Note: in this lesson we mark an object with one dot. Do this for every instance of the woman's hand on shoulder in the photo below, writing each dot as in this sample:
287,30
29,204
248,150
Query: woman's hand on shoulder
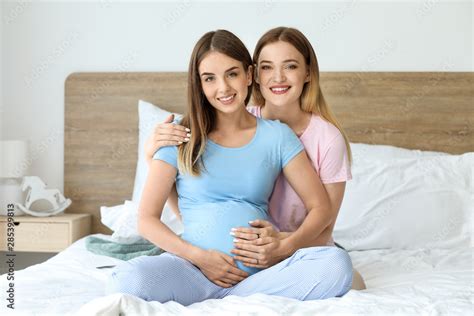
166,134
220,268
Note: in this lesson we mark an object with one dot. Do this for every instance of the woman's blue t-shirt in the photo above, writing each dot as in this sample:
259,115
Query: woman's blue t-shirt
234,186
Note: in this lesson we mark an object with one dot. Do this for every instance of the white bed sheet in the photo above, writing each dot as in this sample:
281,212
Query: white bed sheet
403,282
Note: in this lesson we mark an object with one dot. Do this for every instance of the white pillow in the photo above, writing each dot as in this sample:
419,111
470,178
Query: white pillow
417,202
123,220
148,116
368,151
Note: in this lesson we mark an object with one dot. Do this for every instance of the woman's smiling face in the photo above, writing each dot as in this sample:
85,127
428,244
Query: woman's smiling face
224,81
281,73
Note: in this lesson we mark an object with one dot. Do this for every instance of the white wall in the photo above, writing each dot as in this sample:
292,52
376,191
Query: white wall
43,42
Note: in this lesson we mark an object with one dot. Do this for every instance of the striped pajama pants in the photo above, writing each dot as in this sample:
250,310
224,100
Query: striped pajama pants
309,274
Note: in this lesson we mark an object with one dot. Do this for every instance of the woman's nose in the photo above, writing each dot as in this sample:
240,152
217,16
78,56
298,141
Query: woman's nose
279,75
223,86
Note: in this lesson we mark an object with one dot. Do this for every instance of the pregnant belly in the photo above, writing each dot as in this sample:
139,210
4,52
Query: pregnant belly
208,225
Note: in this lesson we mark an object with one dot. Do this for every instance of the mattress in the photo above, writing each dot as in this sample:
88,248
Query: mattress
404,282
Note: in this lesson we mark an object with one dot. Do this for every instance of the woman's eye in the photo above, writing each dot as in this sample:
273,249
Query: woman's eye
291,66
265,67
208,79
233,74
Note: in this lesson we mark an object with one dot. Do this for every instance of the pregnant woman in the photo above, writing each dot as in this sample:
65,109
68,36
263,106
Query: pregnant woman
224,177
286,88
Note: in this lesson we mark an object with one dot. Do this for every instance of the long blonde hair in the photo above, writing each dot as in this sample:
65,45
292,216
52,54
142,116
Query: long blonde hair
201,115
312,99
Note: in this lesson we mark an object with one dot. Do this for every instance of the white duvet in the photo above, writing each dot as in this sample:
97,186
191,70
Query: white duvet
403,282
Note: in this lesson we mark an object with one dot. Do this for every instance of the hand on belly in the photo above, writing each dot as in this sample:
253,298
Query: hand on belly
208,226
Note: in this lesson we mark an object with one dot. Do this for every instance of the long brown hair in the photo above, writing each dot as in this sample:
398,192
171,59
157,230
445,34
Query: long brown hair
312,99
201,115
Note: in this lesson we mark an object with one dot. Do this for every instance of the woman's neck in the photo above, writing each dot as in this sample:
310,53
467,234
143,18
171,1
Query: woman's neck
290,114
228,123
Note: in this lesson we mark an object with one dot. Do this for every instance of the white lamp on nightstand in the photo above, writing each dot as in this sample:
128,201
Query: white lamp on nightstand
13,167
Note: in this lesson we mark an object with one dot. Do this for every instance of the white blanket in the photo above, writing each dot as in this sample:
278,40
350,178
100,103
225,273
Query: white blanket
403,282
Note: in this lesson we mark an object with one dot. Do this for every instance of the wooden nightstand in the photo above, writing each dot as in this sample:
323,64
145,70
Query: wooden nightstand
46,234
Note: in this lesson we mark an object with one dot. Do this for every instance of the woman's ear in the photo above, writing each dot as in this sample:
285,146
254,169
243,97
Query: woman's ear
308,75
249,75
255,74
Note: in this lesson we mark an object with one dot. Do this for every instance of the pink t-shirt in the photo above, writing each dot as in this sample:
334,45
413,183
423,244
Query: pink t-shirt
326,148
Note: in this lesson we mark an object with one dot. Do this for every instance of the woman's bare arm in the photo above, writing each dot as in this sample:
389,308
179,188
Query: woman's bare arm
335,192
173,197
166,134
302,177
157,188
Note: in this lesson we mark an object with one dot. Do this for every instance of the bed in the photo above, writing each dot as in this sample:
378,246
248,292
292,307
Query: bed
425,112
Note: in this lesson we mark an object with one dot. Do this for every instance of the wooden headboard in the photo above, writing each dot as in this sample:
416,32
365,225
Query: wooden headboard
427,111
